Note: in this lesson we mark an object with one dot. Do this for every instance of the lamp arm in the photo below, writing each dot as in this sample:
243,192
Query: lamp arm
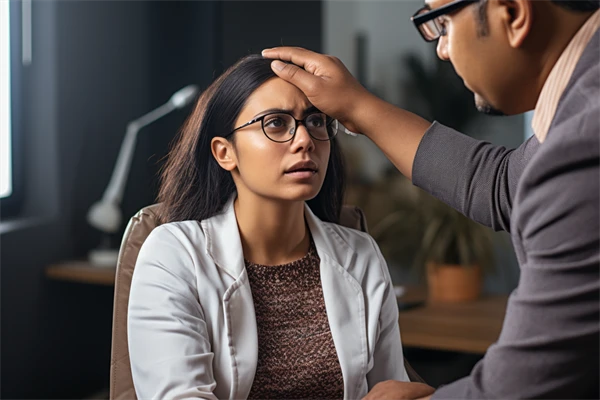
116,186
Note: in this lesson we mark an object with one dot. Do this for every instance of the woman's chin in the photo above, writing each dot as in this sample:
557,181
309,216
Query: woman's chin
301,193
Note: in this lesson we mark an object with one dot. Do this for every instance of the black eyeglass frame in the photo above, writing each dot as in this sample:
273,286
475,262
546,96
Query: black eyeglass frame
296,122
419,20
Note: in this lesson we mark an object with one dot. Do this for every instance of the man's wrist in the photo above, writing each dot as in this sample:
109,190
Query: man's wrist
366,106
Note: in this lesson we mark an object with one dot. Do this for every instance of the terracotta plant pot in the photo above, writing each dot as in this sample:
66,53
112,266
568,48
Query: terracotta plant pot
453,283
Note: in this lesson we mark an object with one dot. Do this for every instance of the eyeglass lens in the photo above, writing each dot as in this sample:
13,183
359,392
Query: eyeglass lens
282,127
430,29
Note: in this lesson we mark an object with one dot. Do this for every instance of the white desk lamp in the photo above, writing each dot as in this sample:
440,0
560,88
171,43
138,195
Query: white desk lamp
105,214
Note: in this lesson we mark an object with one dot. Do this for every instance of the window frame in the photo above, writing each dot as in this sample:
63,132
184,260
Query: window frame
11,205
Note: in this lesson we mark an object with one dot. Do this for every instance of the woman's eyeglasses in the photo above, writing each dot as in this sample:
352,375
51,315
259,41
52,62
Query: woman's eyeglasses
281,126
428,21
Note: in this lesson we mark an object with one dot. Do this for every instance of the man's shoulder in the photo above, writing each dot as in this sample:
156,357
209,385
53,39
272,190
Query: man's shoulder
579,106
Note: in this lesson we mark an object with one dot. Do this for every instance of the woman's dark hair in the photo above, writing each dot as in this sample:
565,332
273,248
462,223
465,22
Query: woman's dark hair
193,185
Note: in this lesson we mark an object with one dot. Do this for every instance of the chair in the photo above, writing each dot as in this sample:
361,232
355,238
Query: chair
138,229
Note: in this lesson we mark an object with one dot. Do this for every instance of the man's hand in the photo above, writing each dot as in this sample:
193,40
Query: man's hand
394,390
325,81
331,88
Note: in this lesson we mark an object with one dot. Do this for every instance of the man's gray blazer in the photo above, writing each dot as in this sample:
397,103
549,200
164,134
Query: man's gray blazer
547,196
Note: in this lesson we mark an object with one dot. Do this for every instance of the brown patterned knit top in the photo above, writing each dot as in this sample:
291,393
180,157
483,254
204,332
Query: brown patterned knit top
296,354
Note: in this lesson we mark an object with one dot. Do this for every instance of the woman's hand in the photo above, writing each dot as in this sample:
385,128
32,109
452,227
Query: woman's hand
325,81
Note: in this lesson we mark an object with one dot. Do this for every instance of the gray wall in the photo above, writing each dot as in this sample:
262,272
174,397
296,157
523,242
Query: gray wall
249,26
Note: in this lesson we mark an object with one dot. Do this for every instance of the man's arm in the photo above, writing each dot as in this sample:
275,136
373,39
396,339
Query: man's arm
476,178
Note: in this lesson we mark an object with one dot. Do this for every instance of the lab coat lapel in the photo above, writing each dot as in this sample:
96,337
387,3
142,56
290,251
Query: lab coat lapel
240,322
225,247
344,303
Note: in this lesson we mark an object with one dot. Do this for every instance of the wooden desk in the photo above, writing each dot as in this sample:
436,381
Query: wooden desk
464,327
82,272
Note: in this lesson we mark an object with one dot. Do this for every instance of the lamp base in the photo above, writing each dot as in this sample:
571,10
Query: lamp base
103,258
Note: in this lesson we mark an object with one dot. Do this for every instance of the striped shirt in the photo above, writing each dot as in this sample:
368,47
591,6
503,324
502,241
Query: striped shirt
559,78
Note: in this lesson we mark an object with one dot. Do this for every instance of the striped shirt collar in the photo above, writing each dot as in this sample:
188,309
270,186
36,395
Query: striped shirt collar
559,77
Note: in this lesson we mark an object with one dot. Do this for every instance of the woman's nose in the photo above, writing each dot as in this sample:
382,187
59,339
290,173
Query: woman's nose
302,139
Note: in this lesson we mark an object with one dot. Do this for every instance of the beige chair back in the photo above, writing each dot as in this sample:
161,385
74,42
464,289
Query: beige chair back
138,229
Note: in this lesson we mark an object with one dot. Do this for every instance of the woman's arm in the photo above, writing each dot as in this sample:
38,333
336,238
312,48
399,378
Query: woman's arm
169,349
388,359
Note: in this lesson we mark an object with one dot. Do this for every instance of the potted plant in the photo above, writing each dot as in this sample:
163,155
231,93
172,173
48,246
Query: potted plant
442,246
454,253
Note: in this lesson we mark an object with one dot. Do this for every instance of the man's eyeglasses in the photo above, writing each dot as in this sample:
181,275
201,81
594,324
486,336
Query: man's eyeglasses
428,21
281,126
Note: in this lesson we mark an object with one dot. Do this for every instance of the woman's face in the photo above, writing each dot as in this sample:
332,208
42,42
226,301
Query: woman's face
292,170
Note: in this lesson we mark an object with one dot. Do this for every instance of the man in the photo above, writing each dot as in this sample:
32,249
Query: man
515,55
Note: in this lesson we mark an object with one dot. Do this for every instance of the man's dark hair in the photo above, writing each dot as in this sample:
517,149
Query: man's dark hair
578,5
194,186
572,5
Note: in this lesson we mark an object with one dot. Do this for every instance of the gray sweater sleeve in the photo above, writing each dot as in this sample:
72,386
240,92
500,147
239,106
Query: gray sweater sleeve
548,347
474,177
548,195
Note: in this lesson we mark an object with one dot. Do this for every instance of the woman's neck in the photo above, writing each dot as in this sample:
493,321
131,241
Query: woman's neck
272,232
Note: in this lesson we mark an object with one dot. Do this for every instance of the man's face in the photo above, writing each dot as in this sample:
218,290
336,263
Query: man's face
477,54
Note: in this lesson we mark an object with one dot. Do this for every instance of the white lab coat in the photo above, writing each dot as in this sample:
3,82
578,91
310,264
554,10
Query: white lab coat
192,328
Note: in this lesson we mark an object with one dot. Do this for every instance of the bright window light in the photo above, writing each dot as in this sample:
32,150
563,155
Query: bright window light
5,122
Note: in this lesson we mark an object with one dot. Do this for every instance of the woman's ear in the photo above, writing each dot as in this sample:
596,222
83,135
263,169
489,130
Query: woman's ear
222,151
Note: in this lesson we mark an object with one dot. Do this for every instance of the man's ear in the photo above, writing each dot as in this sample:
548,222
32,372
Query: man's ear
223,152
517,17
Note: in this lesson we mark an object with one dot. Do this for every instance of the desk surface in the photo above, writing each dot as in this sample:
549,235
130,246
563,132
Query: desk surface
82,272
469,327
465,327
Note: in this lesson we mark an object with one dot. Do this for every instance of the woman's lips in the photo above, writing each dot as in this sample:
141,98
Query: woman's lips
301,174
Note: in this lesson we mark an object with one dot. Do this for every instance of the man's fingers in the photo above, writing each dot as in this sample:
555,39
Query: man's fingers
295,75
296,55
298,72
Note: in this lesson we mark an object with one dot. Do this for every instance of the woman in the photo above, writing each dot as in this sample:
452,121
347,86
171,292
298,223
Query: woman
250,290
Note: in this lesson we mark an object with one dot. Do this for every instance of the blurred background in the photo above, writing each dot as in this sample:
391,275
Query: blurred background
74,74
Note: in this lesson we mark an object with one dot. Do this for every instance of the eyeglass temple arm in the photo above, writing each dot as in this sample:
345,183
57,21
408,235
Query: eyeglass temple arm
418,19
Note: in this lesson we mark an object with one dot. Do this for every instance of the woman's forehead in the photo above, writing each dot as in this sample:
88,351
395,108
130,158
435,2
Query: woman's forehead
275,94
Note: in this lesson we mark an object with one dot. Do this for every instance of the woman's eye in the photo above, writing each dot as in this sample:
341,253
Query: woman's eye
274,123
316,121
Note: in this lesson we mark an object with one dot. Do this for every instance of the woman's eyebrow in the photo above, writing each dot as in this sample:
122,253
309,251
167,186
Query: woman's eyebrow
311,109
306,111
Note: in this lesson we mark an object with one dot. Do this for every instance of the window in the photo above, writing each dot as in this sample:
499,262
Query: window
11,73
6,173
